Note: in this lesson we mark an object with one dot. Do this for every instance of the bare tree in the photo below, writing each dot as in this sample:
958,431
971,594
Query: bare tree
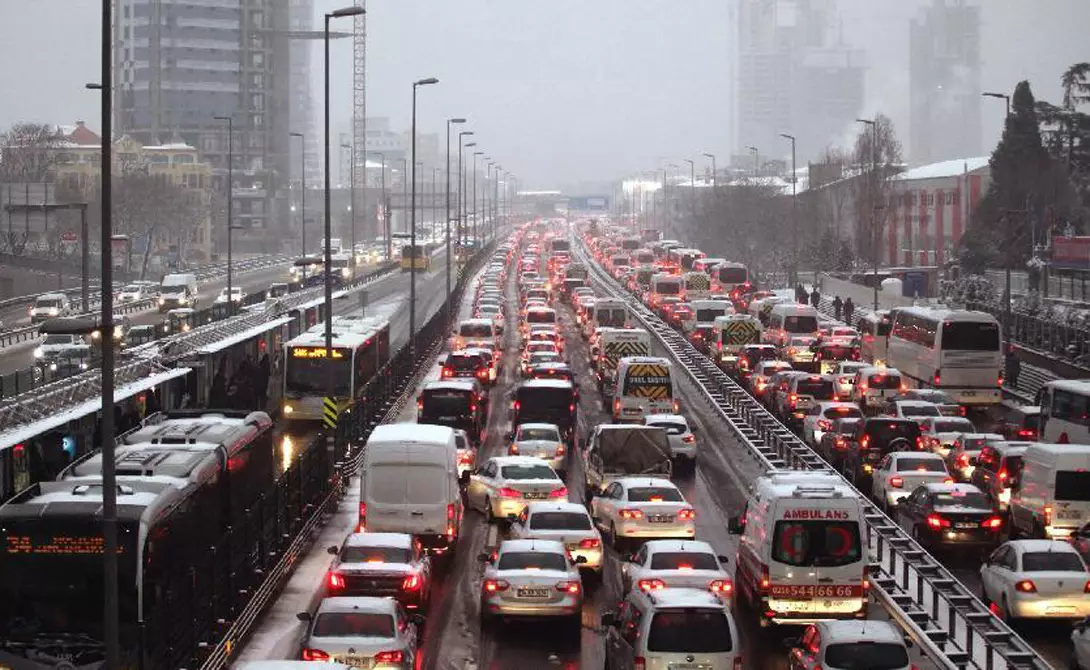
152,207
878,152
29,152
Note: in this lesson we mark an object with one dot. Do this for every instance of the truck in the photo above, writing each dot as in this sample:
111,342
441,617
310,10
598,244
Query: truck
576,271
178,291
614,451
613,345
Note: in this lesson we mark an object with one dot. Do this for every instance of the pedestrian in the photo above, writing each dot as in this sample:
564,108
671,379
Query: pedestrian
800,294
264,371
849,310
1014,368
815,298
217,395
838,307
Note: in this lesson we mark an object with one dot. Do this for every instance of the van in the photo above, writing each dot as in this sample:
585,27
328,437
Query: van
475,333
801,556
662,286
409,484
788,319
49,306
874,385
874,333
732,333
644,386
178,291
1054,498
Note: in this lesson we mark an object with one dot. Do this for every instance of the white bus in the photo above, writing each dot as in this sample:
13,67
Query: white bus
874,332
956,351
1065,411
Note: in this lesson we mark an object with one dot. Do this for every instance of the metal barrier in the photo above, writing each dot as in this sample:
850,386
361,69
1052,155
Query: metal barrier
951,626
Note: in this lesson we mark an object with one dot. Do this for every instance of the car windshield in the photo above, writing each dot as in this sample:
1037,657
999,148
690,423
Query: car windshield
920,465
654,494
1052,561
376,554
353,624
532,560
816,543
919,410
47,302
559,521
475,330
527,471
961,499
683,560
884,432
58,339
800,324
690,631
866,656
547,434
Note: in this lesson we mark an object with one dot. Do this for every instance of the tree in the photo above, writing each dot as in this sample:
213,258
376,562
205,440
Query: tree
29,152
878,152
1065,131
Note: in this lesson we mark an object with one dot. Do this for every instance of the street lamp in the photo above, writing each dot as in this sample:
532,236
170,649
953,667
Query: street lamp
352,198
715,176
794,278
692,187
475,155
302,191
873,199
404,184
1007,271
463,201
1002,96
487,200
382,205
230,198
449,257
412,225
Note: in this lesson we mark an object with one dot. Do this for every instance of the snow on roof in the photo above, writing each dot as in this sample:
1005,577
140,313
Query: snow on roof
410,432
951,168
170,146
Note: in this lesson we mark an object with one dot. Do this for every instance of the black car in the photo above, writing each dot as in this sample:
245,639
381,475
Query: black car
560,371
546,401
751,355
876,437
956,515
838,444
458,404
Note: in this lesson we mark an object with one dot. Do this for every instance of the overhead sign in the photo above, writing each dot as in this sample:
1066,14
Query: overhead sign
1071,252
589,203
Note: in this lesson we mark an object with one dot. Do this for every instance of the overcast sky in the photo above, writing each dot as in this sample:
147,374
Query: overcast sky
558,90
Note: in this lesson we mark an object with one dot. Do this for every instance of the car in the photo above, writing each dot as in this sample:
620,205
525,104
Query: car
875,384
838,445
1036,579
679,433
1080,641
542,441
848,645
49,306
665,628
643,508
877,437
939,432
1021,423
911,409
466,363
565,522
803,392
132,293
361,632
964,450
53,344
235,296
532,579
383,565
752,354
503,486
277,290
467,454
822,417
138,335
553,370
947,405
999,470
661,564
950,515
901,472
762,375
844,377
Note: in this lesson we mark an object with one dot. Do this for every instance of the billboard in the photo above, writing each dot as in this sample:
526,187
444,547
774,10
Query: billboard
589,203
1071,253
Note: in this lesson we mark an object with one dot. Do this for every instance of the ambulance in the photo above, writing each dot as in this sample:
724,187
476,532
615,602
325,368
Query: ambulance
801,549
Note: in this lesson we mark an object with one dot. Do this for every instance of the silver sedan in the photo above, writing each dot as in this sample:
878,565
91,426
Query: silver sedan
375,633
532,579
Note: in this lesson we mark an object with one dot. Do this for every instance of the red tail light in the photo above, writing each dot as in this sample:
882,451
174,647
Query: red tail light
561,450
639,663
739,665
419,404
513,449
689,439
573,588
314,655
962,461
1027,433
411,582
590,543
687,514
762,586
394,656
992,523
447,373
561,492
508,492
897,482
363,518
336,581
936,522
1086,587
631,514
1002,474
651,584
724,586
1026,586
450,512
825,424
937,378
865,442
494,585
793,399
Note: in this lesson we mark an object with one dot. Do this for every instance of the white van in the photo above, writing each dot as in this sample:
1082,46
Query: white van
49,306
801,552
1053,498
790,319
607,312
644,386
178,291
475,333
662,286
409,484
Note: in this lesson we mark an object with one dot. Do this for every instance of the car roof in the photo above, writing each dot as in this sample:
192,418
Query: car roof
916,403
539,546
403,540
633,482
683,597
943,487
841,631
357,604
563,506
652,419
452,385
926,455
1024,546
518,460
695,546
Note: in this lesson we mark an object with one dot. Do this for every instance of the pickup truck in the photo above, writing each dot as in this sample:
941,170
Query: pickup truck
613,451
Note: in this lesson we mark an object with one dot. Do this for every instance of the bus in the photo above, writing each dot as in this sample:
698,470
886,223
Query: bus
956,351
732,279
1065,411
415,257
361,346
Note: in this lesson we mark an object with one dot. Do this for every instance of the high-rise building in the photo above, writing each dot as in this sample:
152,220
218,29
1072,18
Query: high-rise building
793,74
177,65
944,82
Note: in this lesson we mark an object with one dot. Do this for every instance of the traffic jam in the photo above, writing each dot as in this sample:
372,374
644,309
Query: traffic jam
557,425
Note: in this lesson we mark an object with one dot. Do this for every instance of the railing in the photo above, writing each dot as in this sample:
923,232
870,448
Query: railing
951,626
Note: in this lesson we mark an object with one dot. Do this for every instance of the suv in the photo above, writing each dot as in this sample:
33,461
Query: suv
876,438
465,364
672,628
48,306
998,471
459,404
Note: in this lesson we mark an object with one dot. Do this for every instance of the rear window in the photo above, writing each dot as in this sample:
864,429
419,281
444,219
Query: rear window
961,499
866,656
692,631
527,471
843,412
800,324
668,288
654,494
683,560
538,434
884,381
709,315
376,555
541,316
953,426
464,362
964,336
729,275
559,521
920,465
670,428
353,624
475,330
533,560
1059,561
818,389
816,543
887,431
919,410
1073,486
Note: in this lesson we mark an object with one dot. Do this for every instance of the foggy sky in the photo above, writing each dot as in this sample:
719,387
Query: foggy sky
558,90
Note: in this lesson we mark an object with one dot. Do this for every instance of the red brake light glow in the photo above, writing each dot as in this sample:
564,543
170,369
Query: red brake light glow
936,522
1025,586
395,656
651,584
314,655
336,581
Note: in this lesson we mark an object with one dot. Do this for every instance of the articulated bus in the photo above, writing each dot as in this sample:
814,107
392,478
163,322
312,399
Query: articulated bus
956,351
361,346
415,256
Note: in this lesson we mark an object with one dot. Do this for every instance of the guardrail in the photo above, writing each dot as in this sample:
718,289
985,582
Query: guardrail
949,623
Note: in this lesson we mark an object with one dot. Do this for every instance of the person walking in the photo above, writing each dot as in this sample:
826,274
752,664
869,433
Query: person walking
1014,367
800,294
838,307
849,310
815,298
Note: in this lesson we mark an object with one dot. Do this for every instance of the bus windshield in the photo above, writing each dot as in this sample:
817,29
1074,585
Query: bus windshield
668,288
970,336
314,375
729,275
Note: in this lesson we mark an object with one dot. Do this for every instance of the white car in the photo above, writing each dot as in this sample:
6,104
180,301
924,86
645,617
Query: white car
1080,640
565,522
532,579
361,632
661,564
850,644
643,508
822,417
236,296
913,409
52,345
504,485
940,432
1036,579
900,472
543,441
131,293
678,432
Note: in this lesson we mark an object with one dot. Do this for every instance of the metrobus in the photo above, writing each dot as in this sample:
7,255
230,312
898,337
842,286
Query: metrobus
361,346
956,351
1065,411
415,257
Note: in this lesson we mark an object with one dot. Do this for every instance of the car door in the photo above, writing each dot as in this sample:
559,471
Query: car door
602,507
993,572
880,478
481,484
909,510
632,569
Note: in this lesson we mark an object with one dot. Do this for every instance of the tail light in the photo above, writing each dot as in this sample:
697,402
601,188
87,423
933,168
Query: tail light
720,345
762,586
561,450
897,482
573,588
1027,433
363,518
865,442
651,584
1048,515
866,584
1026,586
590,543
1002,474
723,586
825,424
631,514
411,582
992,523
314,655
508,492
949,480
962,461
494,585
903,388
517,405
937,378
335,581
1086,587
689,439
419,404
448,373
393,656
793,399
513,450
677,407
616,406
687,514
450,512
738,665
639,663
919,442
936,522
561,492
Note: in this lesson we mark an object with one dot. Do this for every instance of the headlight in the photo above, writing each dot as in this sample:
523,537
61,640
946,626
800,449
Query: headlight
53,311
53,367
162,301
345,272
38,353
82,366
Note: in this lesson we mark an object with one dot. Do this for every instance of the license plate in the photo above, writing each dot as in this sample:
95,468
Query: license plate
631,410
534,495
660,518
965,525
533,593
1064,514
356,661
968,394
689,666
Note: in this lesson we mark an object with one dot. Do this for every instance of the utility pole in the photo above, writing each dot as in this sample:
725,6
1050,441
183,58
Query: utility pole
794,275
873,123
412,226
450,258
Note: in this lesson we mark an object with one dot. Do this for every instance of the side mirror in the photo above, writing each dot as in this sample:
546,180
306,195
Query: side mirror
735,526
333,550
418,619
580,560
609,618
303,616
723,559
909,643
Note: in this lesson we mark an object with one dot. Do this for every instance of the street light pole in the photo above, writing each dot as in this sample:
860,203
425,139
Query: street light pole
405,174
692,188
715,176
450,259
1007,261
794,278
475,155
382,204
230,201
463,201
485,222
412,226
873,199
302,194
352,198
